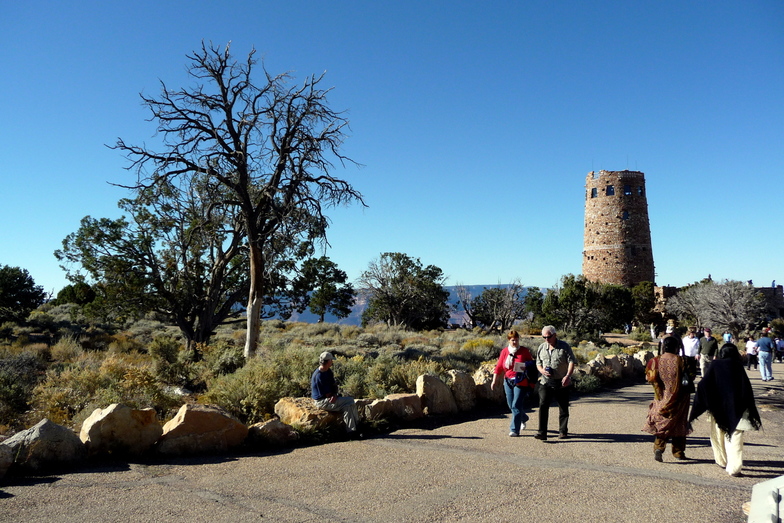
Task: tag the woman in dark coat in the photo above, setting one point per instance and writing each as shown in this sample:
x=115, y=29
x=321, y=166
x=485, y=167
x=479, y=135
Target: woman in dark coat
x=726, y=394
x=669, y=411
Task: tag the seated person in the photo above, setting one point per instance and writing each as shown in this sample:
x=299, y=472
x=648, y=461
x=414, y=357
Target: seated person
x=324, y=391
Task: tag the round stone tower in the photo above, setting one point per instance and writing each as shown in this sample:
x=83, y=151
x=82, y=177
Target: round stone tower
x=617, y=239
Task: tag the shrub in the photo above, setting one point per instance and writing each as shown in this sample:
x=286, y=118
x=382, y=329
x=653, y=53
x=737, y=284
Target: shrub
x=66, y=349
x=480, y=344
x=146, y=330
x=368, y=339
x=403, y=376
x=585, y=384
x=640, y=335
x=7, y=330
x=223, y=357
x=124, y=343
x=69, y=394
x=251, y=392
x=164, y=348
x=19, y=374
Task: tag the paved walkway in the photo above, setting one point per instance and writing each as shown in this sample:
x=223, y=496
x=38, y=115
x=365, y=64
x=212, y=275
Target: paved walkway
x=467, y=471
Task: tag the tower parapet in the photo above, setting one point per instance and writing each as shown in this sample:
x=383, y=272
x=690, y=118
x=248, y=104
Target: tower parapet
x=617, y=239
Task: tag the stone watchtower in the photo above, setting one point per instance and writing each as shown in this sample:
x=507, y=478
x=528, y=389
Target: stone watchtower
x=617, y=240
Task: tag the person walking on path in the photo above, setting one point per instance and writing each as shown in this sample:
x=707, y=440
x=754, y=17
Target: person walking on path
x=751, y=352
x=668, y=412
x=691, y=350
x=725, y=393
x=765, y=351
x=555, y=362
x=511, y=367
x=324, y=391
x=708, y=349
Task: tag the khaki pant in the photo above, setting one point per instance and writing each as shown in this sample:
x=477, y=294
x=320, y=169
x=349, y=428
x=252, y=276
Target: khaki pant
x=704, y=364
x=727, y=452
x=345, y=405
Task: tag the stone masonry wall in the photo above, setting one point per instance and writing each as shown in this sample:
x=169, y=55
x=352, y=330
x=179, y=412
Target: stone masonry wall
x=617, y=238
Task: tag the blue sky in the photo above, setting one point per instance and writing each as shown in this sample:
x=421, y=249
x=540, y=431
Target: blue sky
x=476, y=123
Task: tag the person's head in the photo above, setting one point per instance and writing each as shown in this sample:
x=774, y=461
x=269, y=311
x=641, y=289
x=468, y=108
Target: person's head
x=670, y=344
x=549, y=334
x=707, y=331
x=326, y=358
x=513, y=337
x=729, y=351
x=691, y=333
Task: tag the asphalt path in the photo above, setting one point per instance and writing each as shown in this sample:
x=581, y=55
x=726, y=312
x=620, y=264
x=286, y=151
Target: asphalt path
x=443, y=470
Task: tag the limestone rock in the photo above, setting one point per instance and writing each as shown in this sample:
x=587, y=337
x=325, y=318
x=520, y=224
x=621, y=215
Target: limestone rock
x=362, y=406
x=483, y=377
x=593, y=367
x=463, y=390
x=614, y=362
x=45, y=445
x=6, y=459
x=272, y=433
x=200, y=429
x=435, y=394
x=402, y=407
x=643, y=357
x=119, y=429
x=627, y=366
x=303, y=414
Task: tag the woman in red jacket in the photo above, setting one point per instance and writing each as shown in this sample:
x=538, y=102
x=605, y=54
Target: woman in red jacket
x=511, y=365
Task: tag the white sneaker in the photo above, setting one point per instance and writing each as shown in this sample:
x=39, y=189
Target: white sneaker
x=522, y=426
x=513, y=434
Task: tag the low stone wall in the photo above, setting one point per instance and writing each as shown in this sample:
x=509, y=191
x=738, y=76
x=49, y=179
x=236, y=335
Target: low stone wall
x=121, y=431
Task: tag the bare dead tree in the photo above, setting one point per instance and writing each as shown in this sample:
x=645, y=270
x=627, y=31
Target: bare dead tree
x=271, y=147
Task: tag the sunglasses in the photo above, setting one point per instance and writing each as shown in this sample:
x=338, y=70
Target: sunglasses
x=547, y=337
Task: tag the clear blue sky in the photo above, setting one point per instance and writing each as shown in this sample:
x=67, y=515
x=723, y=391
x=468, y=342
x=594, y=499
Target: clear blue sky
x=476, y=123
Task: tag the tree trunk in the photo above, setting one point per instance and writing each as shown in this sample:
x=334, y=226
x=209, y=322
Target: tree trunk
x=255, y=301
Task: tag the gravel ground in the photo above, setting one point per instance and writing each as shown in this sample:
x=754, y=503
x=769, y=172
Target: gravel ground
x=468, y=470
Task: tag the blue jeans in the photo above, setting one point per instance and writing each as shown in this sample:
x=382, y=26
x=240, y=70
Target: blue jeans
x=515, y=397
x=765, y=361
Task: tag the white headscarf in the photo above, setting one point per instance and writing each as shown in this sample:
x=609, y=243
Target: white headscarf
x=510, y=358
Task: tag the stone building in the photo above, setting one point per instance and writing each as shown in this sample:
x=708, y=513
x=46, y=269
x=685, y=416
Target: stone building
x=617, y=238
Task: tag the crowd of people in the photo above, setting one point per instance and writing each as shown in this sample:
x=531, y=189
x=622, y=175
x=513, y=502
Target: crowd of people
x=723, y=394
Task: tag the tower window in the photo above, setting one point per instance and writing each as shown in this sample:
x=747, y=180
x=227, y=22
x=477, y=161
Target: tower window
x=639, y=190
x=625, y=215
x=627, y=190
x=594, y=192
x=609, y=190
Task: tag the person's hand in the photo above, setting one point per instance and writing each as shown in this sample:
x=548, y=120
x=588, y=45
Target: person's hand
x=566, y=381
